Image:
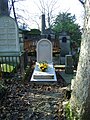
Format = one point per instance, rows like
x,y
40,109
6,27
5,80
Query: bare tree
x,y
47,8
12,6
82,1
14,11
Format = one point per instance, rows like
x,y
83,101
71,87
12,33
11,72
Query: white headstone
x,y
9,36
44,51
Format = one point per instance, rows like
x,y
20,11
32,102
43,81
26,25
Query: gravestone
x,y
9,36
10,40
11,49
64,41
68,64
44,53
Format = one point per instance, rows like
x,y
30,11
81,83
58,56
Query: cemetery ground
x,y
25,100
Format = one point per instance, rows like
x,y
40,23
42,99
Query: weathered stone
x,y
69,70
68,64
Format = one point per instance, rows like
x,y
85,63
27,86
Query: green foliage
x,y
70,114
35,31
7,68
31,32
66,22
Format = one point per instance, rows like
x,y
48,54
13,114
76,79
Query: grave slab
x,y
48,75
44,53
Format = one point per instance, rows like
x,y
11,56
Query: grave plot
x,y
11,45
44,70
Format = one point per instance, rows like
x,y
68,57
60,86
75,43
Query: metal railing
x,y
11,64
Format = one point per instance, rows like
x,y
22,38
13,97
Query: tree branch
x,y
81,2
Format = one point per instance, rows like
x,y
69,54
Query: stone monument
x,y
10,41
64,41
44,53
9,36
68,64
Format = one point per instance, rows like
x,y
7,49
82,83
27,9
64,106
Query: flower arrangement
x,y
43,66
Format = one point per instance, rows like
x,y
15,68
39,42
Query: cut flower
x,y
43,66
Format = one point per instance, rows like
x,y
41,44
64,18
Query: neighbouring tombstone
x,y
10,44
68,64
9,36
64,41
44,53
10,41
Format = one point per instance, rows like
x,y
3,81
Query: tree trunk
x,y
80,98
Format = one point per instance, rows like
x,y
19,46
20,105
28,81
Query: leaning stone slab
x,y
68,64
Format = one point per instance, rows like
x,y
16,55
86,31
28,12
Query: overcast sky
x,y
32,13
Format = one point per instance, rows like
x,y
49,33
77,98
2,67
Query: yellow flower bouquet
x,y
43,66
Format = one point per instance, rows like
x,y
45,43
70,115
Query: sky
x,y
31,10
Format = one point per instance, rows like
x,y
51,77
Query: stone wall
x,y
80,98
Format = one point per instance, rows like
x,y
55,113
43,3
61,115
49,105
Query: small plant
x,y
70,114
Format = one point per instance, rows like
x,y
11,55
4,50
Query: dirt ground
x,y
32,101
